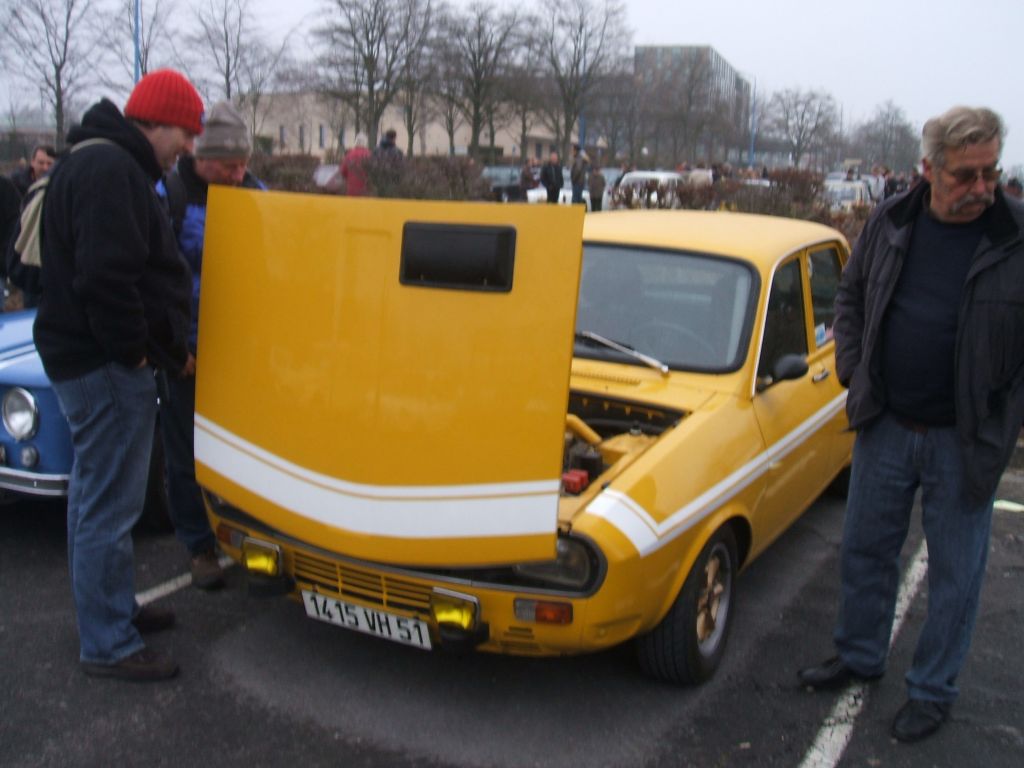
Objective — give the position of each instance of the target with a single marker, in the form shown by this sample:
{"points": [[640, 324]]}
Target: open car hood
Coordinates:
{"points": [[388, 379]]}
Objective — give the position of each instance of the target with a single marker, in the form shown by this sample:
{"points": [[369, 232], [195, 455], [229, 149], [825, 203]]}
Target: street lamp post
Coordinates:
{"points": [[135, 36], [753, 123]]}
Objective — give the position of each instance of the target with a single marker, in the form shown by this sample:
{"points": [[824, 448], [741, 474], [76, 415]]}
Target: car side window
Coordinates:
{"points": [[825, 269], [784, 328]]}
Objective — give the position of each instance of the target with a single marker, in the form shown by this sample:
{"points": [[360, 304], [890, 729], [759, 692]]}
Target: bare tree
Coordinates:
{"points": [[447, 85], [368, 46], [579, 38], [223, 37], [256, 74], [55, 49], [803, 119], [483, 37], [615, 114], [415, 81], [156, 44], [888, 138]]}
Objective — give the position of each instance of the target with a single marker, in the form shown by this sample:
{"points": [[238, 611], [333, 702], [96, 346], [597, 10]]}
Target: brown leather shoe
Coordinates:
{"points": [[206, 570], [832, 674], [152, 618], [143, 666]]}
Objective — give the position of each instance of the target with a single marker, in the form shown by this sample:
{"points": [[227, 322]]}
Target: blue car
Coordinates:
{"points": [[35, 444]]}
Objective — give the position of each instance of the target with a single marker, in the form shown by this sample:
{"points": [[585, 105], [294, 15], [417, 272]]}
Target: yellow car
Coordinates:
{"points": [[502, 428]]}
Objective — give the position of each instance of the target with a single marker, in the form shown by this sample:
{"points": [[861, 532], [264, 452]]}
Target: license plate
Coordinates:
{"points": [[400, 629]]}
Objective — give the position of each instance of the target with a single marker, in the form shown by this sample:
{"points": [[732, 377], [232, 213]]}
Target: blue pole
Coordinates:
{"points": [[753, 123], [138, 58]]}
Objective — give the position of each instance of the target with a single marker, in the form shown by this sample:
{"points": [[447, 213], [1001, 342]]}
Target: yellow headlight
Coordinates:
{"points": [[452, 608], [261, 557]]}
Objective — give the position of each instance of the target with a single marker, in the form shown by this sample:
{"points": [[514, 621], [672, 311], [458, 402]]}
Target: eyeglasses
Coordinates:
{"points": [[970, 175]]}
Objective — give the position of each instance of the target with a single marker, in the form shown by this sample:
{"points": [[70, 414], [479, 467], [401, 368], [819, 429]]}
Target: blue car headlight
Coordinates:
{"points": [[21, 416]]}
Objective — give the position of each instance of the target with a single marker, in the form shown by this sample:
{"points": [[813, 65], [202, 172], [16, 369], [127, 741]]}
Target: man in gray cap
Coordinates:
{"points": [[221, 157]]}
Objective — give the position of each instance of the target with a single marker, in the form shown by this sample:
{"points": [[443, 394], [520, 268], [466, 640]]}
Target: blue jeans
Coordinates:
{"points": [[187, 511], [111, 412], [890, 462]]}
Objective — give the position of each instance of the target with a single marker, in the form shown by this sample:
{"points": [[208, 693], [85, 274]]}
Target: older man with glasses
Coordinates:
{"points": [[930, 341]]}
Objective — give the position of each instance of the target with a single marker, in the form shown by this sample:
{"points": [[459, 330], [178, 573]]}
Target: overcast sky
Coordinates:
{"points": [[924, 55]]}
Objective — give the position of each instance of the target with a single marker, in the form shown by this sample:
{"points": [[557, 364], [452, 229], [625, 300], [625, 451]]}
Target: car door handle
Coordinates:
{"points": [[820, 376]]}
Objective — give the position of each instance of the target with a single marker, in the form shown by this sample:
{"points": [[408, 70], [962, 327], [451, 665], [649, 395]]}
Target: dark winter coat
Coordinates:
{"points": [[552, 179], [115, 288], [989, 372], [185, 193]]}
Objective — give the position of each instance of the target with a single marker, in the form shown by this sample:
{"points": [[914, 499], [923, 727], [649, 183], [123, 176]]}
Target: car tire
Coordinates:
{"points": [[688, 644], [156, 516]]}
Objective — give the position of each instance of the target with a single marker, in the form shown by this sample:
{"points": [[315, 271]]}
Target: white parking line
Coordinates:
{"points": [[837, 730], [1008, 506], [172, 586]]}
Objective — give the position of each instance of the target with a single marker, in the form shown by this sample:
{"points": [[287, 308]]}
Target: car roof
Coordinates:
{"points": [[645, 175], [760, 239]]}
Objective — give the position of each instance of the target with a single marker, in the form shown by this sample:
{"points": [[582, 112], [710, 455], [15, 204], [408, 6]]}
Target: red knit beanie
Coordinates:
{"points": [[166, 97]]}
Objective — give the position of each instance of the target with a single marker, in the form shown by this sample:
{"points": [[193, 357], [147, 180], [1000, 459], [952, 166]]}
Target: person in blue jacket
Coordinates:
{"points": [[221, 157]]}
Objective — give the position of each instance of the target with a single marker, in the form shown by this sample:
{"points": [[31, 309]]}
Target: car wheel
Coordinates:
{"points": [[155, 511], [686, 647]]}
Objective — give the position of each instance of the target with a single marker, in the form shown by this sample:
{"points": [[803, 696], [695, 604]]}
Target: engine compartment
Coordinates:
{"points": [[601, 433]]}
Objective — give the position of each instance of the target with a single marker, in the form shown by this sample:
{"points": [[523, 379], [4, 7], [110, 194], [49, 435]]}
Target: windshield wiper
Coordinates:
{"points": [[625, 349]]}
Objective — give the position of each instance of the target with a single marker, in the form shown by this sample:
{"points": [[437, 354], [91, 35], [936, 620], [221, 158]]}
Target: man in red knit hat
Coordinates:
{"points": [[115, 306]]}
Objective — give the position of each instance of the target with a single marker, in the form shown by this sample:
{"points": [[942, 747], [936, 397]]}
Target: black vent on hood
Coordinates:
{"points": [[458, 257]]}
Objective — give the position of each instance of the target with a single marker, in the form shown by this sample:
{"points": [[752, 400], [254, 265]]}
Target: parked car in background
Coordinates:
{"points": [[540, 195], [328, 177], [35, 444], [847, 195], [504, 182], [460, 471], [646, 189]]}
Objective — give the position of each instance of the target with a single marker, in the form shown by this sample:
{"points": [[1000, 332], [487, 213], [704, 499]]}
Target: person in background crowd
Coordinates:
{"points": [[387, 148], [1014, 188], [115, 307], [578, 172], [10, 210], [552, 178], [527, 179], [353, 166], [221, 157], [43, 157], [596, 184], [930, 341]]}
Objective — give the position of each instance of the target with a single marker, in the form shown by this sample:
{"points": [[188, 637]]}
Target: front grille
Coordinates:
{"points": [[361, 584]]}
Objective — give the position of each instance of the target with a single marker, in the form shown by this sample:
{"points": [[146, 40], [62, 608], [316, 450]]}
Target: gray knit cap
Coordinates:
{"points": [[225, 133]]}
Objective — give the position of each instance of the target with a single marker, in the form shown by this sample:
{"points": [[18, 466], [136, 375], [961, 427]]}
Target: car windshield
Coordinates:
{"points": [[690, 311]]}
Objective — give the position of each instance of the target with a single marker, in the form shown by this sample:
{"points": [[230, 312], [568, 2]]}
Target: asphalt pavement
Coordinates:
{"points": [[261, 685]]}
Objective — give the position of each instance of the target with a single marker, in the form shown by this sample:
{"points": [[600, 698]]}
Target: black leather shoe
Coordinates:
{"points": [[832, 674], [918, 719], [151, 618]]}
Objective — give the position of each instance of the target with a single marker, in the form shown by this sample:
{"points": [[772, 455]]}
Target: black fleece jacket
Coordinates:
{"points": [[115, 288]]}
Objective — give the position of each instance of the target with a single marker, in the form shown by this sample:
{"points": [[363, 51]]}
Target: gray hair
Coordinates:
{"points": [[361, 139], [958, 127]]}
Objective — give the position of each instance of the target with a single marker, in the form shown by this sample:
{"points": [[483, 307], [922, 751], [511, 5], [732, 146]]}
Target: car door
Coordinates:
{"points": [[797, 417]]}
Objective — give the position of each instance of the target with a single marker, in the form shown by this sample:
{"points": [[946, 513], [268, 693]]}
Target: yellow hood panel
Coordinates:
{"points": [[407, 405]]}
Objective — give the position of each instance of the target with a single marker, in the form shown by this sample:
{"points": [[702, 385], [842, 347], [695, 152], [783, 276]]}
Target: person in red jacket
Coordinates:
{"points": [[353, 167]]}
